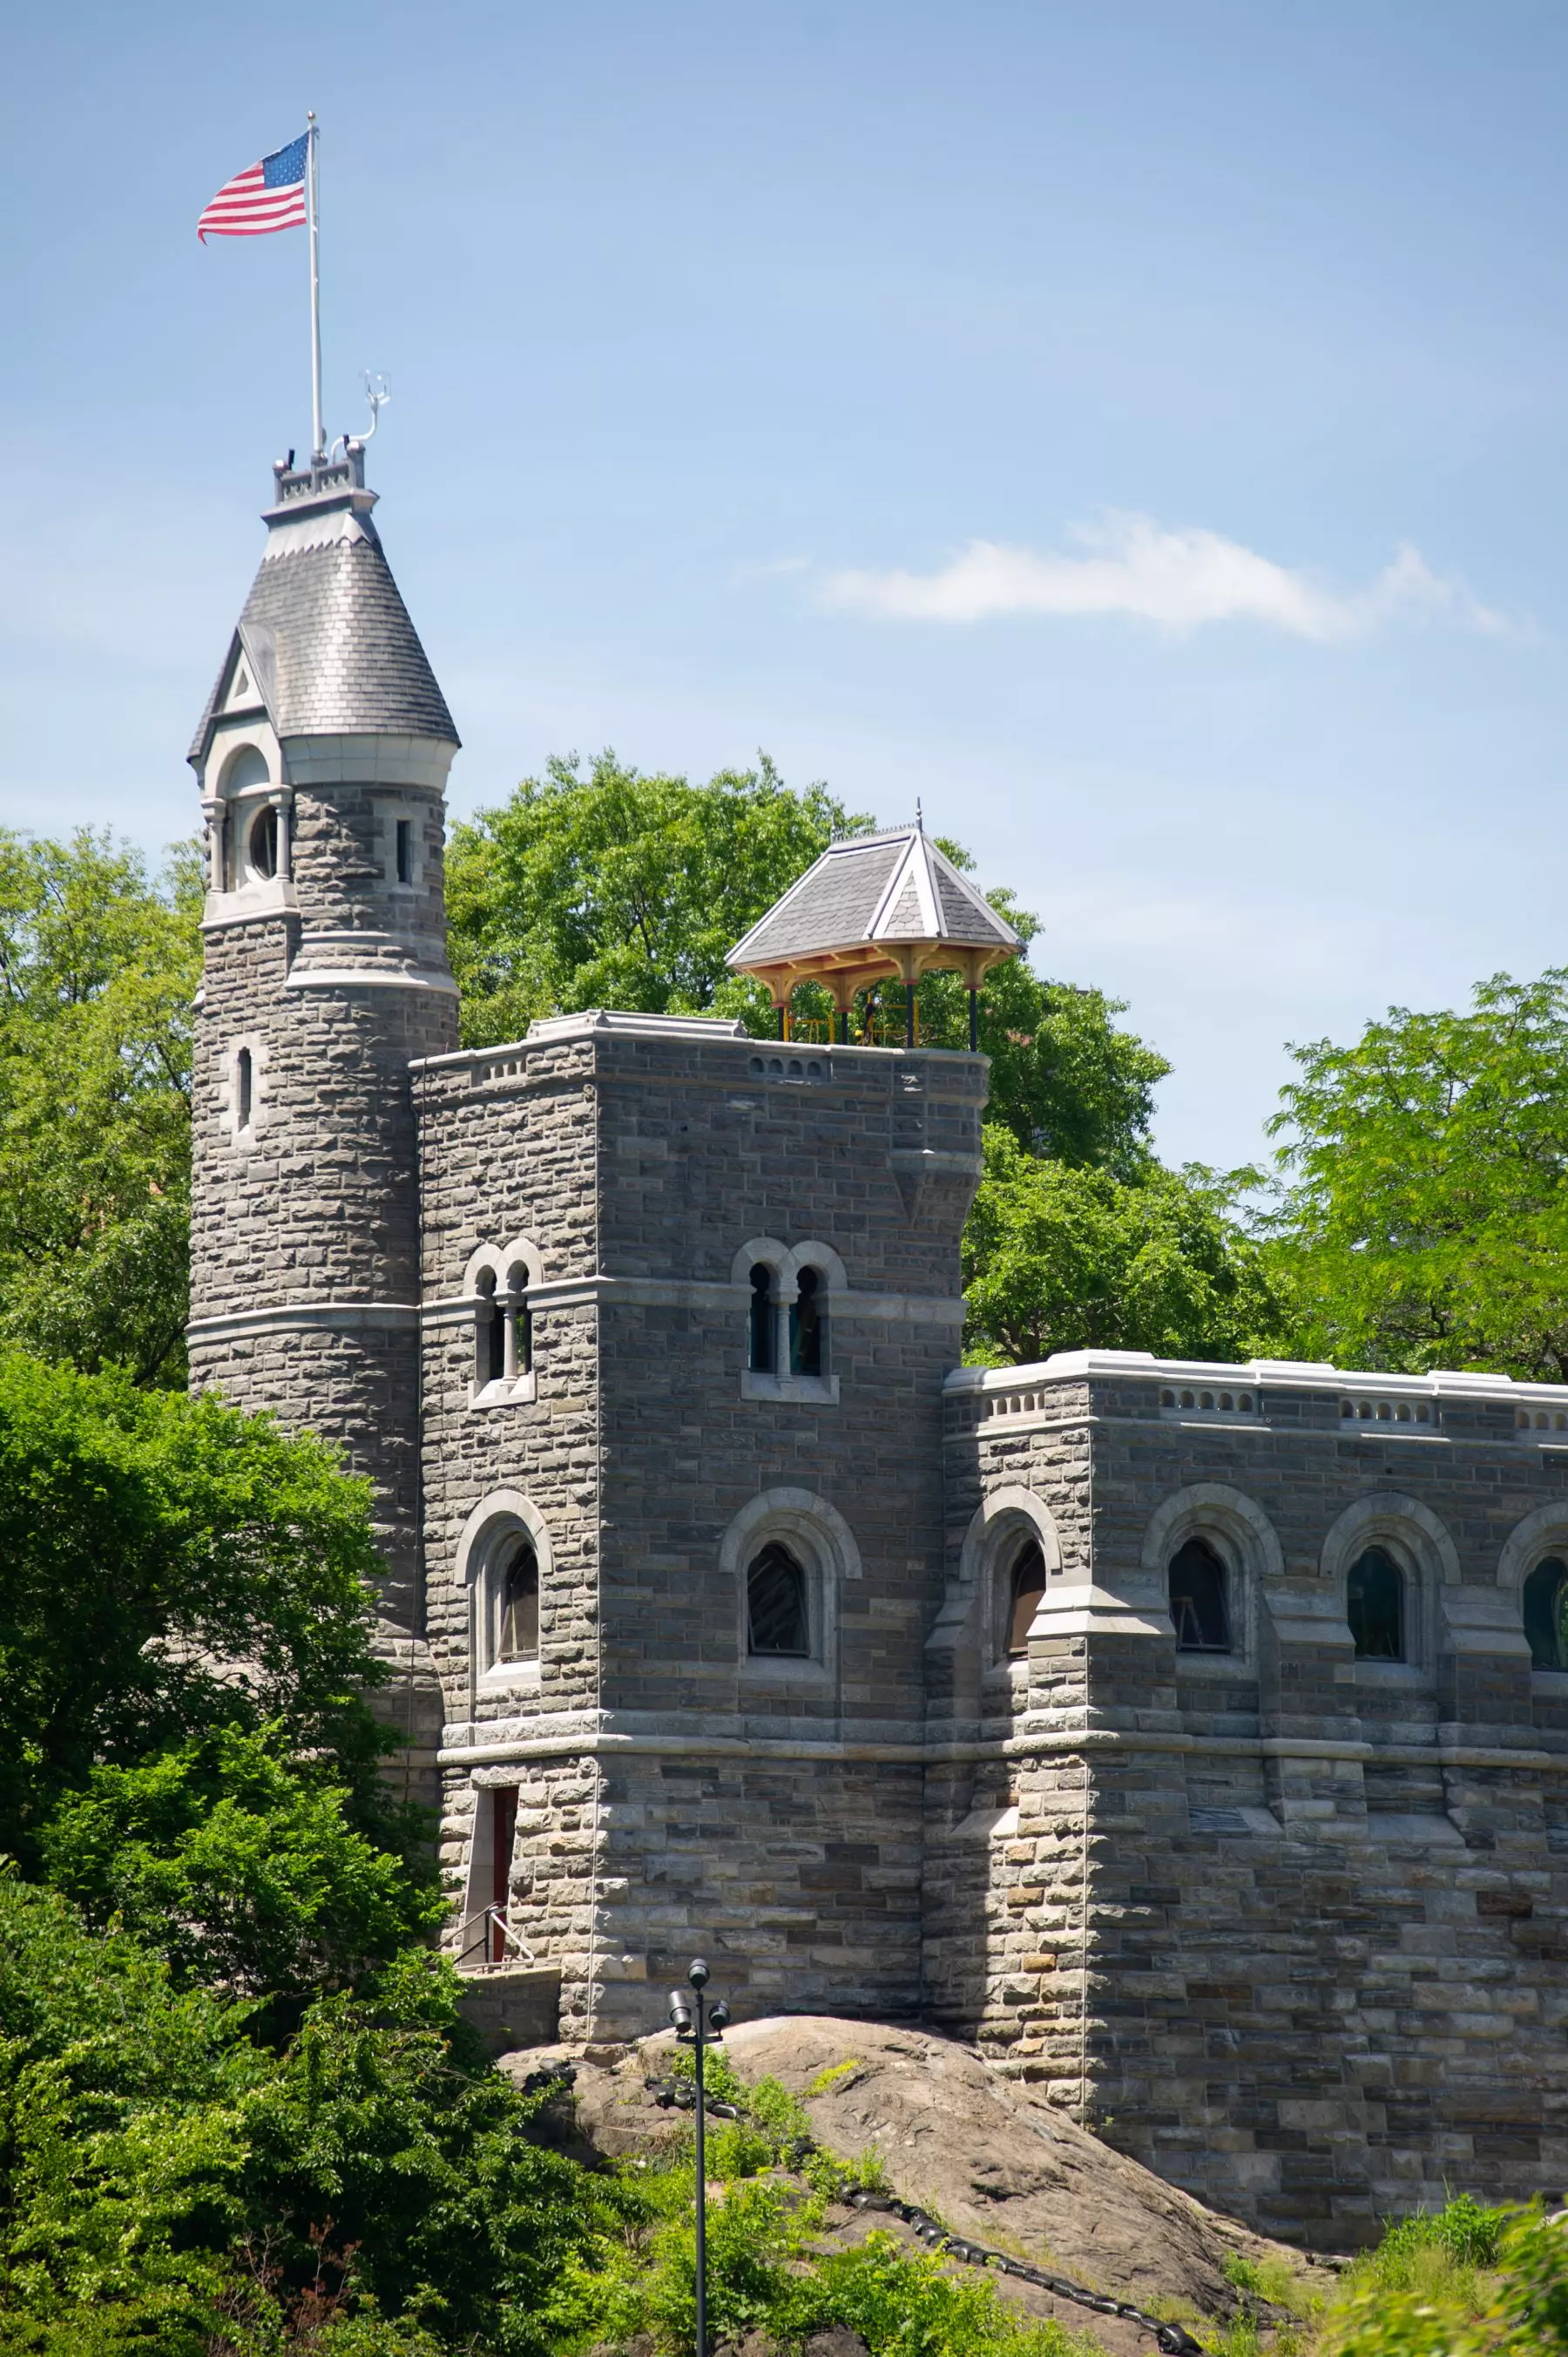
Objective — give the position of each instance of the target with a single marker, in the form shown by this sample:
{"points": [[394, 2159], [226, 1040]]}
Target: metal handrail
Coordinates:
{"points": [[493, 1917]]}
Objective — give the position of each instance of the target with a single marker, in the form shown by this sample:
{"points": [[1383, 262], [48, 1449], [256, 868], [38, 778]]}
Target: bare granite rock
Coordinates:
{"points": [[994, 2159]]}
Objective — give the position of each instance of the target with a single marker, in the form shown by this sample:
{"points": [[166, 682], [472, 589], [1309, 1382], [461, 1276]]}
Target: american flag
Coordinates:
{"points": [[270, 195]]}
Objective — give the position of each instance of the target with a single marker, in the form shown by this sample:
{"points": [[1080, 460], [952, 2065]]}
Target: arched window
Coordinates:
{"points": [[1197, 1600], [264, 843], [489, 1331], [244, 1088], [1374, 1606], [777, 1617], [762, 1332], [807, 1325], [517, 1604], [1545, 1613], [516, 1344], [1026, 1586]]}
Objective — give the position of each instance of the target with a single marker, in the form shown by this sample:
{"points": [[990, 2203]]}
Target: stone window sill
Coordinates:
{"points": [[504, 1394], [509, 1678], [819, 1391], [783, 1669]]}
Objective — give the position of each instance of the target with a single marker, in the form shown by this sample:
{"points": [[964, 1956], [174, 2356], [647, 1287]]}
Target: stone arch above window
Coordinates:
{"points": [[1390, 1530], [497, 1284], [774, 1530], [979, 1613], [1526, 1570], [505, 1564], [789, 1292], [1220, 1619]]}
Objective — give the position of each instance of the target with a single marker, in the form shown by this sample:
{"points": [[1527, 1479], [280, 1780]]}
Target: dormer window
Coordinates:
{"points": [[263, 847]]}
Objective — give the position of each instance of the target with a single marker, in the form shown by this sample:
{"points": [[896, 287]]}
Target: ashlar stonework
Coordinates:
{"points": [[704, 1554]]}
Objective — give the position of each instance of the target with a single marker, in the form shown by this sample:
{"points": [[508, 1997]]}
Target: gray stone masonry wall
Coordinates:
{"points": [[304, 1266], [769, 1814], [1327, 1898]]}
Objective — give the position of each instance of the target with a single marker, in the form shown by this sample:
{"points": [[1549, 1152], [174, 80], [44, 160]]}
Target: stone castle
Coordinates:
{"points": [[1194, 1738]]}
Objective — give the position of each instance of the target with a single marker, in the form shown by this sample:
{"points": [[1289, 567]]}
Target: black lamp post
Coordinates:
{"points": [[696, 2024]]}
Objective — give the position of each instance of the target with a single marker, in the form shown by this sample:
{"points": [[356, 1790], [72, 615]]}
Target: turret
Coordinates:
{"points": [[322, 758]]}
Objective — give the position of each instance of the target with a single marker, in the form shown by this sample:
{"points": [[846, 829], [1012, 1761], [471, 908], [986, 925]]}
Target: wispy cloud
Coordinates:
{"points": [[1179, 580]]}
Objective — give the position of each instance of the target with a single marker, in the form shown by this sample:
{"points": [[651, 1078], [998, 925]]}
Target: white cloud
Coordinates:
{"points": [[1177, 581]]}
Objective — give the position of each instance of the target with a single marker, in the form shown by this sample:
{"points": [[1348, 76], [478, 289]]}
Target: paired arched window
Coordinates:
{"points": [[503, 1328], [1198, 1605], [787, 1320], [1025, 1587], [517, 1602], [1375, 1606], [778, 1604], [1545, 1603]]}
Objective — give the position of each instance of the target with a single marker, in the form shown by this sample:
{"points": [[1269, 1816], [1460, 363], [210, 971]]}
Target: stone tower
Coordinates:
{"points": [[322, 757]]}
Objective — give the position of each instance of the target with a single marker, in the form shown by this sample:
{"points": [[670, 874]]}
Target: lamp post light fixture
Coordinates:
{"points": [[697, 2024]]}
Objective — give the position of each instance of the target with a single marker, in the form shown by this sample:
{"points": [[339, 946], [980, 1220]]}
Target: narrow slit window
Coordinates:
{"points": [[244, 1088], [808, 1320], [1546, 1614], [778, 1620], [516, 1635], [1026, 1586], [405, 851], [762, 1331], [1197, 1600], [1374, 1606]]}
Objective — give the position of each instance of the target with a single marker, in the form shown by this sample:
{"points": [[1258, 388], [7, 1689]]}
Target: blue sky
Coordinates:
{"points": [[1140, 433]]}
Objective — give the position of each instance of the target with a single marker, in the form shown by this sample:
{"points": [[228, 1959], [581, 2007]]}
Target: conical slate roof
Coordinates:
{"points": [[876, 904], [326, 633]]}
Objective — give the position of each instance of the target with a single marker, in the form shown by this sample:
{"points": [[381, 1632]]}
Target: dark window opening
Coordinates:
{"points": [[503, 1799], [264, 843], [1028, 1586], [244, 1088], [1374, 1606], [405, 851], [762, 1332], [519, 1322], [517, 1638], [489, 1331], [807, 1319], [1197, 1600], [1546, 1614], [776, 1617]]}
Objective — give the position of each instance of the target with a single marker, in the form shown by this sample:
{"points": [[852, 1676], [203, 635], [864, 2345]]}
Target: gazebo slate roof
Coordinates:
{"points": [[328, 639], [876, 904]]}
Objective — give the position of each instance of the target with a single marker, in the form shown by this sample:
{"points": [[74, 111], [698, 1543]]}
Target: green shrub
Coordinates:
{"points": [[904, 2304]]}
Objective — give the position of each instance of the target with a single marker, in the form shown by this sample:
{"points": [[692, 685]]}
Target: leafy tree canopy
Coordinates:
{"points": [[616, 889], [1058, 1258], [1423, 1219], [170, 2184], [171, 1565], [237, 1861], [98, 965]]}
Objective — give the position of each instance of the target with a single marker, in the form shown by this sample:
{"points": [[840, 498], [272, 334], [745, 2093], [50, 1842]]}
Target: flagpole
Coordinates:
{"points": [[317, 445]]}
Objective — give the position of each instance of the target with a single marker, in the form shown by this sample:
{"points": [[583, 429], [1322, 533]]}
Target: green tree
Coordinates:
{"points": [[1424, 1217], [168, 2184], [1064, 1258], [237, 1862], [98, 965], [616, 889], [172, 1565]]}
